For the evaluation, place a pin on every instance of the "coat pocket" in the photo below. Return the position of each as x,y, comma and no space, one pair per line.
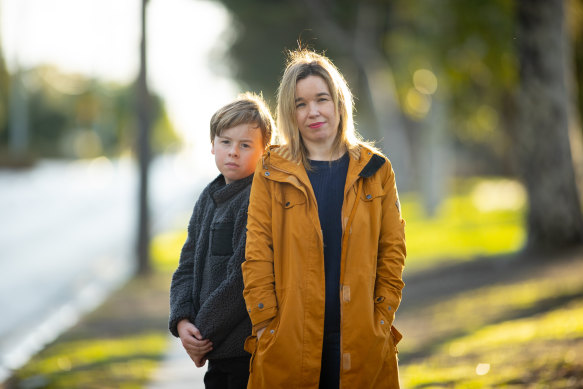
222,238
397,336
371,190
289,196
251,347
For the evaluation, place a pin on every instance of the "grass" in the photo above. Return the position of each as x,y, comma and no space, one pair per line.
119,345
482,218
544,350
523,332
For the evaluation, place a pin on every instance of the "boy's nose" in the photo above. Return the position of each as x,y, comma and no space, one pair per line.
233,151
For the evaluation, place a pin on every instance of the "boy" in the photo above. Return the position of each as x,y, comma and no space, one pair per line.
207,310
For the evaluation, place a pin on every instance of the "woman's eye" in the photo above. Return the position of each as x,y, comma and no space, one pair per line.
299,105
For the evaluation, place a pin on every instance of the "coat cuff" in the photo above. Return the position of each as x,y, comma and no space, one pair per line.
185,311
388,307
262,309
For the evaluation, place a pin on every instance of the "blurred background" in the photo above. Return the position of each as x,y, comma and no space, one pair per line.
104,147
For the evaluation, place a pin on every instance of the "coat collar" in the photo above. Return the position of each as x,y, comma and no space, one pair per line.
278,165
366,159
222,192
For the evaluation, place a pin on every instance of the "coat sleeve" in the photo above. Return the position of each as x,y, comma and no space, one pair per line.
224,309
258,273
391,251
181,303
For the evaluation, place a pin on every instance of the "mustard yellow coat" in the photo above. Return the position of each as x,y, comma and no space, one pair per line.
284,274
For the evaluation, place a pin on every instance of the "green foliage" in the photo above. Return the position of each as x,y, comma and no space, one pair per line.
467,45
72,116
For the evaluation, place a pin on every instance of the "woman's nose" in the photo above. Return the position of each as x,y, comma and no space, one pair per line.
313,110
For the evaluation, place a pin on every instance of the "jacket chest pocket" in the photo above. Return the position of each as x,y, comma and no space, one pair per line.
371,190
289,196
222,238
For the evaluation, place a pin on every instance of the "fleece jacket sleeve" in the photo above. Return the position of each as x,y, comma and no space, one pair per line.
181,304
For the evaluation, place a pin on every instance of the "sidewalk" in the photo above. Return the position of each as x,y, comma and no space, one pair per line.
177,371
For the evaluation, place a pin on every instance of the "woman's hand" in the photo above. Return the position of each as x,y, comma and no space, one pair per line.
196,347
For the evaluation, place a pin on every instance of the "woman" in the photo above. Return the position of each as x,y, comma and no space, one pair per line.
325,244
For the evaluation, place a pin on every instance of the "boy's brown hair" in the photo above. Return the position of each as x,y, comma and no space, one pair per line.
248,108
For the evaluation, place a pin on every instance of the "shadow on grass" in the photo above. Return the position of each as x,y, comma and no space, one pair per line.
446,280
493,321
542,306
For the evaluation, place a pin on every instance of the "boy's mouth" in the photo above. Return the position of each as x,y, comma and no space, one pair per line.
231,164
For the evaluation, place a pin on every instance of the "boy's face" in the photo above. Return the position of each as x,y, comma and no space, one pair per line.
237,151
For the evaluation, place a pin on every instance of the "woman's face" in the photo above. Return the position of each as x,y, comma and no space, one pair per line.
316,114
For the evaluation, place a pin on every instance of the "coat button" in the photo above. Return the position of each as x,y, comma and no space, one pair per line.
390,308
368,197
272,331
287,204
267,173
382,322
260,305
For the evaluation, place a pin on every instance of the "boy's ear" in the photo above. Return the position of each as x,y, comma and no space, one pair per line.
213,148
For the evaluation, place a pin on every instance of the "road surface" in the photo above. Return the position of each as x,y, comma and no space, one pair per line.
67,237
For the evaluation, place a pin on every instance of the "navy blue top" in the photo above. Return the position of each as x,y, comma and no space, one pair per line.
328,179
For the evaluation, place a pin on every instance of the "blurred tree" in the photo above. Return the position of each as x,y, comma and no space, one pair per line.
379,46
541,132
71,116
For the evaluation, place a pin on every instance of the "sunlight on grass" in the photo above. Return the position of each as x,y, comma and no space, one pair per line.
526,331
542,349
483,217
467,312
96,363
565,323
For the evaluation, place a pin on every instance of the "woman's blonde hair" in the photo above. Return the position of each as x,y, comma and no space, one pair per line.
300,65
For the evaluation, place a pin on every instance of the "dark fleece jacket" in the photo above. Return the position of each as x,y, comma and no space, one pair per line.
207,287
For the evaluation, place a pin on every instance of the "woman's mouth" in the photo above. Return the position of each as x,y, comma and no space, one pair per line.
316,125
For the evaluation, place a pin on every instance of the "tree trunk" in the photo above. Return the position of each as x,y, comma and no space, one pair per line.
143,116
543,151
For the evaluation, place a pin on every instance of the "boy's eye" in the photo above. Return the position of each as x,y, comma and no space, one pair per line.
224,141
245,145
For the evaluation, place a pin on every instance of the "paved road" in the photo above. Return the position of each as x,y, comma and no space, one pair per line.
67,238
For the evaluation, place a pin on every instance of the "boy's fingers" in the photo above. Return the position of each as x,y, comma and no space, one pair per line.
195,342
197,334
198,350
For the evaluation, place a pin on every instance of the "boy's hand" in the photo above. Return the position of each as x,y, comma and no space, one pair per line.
196,347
